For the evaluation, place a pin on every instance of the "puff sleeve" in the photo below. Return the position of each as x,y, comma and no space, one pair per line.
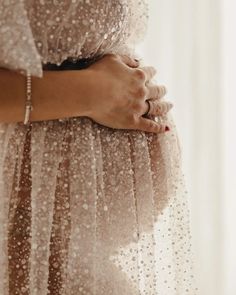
17,46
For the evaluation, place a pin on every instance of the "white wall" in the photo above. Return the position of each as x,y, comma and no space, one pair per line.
192,45
229,197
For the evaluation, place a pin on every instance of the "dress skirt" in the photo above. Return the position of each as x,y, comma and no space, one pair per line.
87,209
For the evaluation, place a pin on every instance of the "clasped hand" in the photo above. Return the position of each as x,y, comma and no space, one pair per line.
121,90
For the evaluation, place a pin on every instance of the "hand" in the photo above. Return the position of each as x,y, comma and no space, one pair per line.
118,91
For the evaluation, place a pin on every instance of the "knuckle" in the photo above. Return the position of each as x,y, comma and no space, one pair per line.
161,91
157,91
141,92
139,73
158,108
150,125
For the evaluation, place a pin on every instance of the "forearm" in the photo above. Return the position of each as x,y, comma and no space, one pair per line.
59,94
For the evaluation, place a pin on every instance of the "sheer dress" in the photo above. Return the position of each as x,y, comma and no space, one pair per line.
86,209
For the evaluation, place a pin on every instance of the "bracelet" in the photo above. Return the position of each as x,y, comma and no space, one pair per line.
28,103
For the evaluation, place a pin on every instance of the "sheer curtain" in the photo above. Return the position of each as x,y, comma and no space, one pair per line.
192,45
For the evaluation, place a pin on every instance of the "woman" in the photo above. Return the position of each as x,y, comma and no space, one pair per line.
92,197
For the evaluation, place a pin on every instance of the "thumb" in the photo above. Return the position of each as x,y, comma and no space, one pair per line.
133,63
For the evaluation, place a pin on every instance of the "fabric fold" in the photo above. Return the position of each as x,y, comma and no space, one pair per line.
12,137
45,163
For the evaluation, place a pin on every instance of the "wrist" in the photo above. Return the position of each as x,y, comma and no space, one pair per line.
59,94
80,88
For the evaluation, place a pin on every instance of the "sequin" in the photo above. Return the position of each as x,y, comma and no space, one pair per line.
85,209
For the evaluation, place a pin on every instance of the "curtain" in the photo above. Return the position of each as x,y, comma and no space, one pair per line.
192,45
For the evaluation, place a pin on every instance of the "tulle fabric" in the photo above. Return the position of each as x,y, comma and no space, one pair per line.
17,47
85,209
95,210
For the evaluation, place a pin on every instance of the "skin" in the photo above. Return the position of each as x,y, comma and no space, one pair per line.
112,92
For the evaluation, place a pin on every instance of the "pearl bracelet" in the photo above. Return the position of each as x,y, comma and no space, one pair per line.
28,103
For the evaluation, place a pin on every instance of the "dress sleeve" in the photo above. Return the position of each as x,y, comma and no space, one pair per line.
137,26
17,46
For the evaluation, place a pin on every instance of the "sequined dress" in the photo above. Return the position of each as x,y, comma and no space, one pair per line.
86,209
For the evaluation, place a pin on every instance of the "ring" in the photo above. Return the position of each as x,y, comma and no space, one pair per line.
150,107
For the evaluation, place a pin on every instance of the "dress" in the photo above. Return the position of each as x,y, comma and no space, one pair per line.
86,209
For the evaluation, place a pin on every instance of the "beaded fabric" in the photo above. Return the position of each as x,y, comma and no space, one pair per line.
86,209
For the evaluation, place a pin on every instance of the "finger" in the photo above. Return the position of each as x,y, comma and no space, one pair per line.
150,72
148,125
160,108
129,61
162,91
156,92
